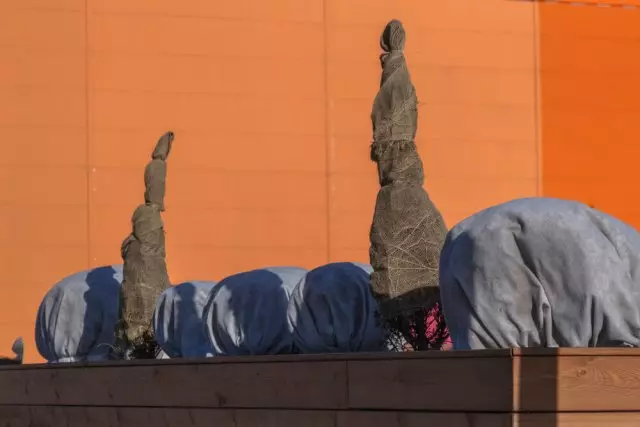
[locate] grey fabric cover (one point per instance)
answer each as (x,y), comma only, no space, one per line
(541,272)
(332,310)
(78,315)
(177,320)
(246,313)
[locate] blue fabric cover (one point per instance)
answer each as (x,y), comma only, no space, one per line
(333,311)
(177,320)
(77,317)
(246,313)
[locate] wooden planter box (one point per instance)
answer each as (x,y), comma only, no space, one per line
(501,388)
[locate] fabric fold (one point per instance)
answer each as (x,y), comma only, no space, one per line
(77,318)
(177,320)
(246,313)
(541,272)
(332,310)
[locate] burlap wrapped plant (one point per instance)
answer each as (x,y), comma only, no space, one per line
(145,274)
(408,231)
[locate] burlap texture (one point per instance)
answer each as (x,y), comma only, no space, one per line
(163,147)
(408,231)
(145,274)
(155,182)
(155,173)
(395,108)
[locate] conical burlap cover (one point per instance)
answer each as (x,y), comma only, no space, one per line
(408,231)
(143,252)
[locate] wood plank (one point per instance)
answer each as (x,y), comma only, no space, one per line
(73,416)
(596,351)
(70,416)
(420,419)
(576,383)
(304,385)
(285,358)
(474,384)
(288,382)
(282,418)
(584,419)
(536,381)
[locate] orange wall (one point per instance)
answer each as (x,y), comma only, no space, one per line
(270,103)
(590,109)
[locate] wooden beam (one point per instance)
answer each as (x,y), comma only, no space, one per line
(421,419)
(70,416)
(307,385)
(578,419)
(546,381)
(471,384)
(571,382)
(61,416)
(427,381)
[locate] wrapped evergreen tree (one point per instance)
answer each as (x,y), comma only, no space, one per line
(145,274)
(408,231)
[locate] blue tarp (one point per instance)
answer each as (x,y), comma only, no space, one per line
(177,320)
(268,311)
(333,311)
(246,313)
(77,317)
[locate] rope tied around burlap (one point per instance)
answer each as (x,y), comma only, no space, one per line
(145,269)
(408,231)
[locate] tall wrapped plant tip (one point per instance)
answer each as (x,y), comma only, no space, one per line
(407,231)
(163,147)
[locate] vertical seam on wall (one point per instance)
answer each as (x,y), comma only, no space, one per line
(87,130)
(328,127)
(537,98)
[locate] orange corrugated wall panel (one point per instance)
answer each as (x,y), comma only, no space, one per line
(270,102)
(590,104)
